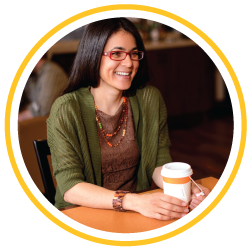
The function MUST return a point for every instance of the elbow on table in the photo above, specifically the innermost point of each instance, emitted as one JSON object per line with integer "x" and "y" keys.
{"x": 66, "y": 196}
{"x": 74, "y": 194}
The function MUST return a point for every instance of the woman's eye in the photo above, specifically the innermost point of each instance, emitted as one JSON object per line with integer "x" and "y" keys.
{"x": 116, "y": 53}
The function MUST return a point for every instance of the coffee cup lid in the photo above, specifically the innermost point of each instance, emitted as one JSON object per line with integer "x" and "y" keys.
{"x": 176, "y": 170}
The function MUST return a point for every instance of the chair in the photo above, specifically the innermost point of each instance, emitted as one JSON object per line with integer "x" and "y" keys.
{"x": 28, "y": 131}
{"x": 42, "y": 151}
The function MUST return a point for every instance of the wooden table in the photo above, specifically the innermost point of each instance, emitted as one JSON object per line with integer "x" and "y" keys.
{"x": 127, "y": 222}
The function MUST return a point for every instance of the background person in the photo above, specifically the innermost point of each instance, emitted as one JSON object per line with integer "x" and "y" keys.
{"x": 46, "y": 82}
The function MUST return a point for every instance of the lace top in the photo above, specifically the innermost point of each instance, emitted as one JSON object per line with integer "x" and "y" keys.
{"x": 119, "y": 164}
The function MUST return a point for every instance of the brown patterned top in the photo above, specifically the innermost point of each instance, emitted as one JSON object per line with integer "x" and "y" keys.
{"x": 119, "y": 164}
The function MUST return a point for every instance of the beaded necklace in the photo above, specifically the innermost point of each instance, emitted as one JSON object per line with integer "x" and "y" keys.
{"x": 123, "y": 118}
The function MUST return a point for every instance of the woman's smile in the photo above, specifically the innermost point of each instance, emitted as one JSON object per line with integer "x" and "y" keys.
{"x": 122, "y": 73}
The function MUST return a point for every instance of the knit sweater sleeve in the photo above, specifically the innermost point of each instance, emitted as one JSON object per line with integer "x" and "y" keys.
{"x": 152, "y": 134}
{"x": 63, "y": 141}
{"x": 158, "y": 141}
{"x": 163, "y": 155}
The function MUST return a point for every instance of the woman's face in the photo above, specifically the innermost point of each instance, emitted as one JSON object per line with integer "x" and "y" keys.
{"x": 118, "y": 74}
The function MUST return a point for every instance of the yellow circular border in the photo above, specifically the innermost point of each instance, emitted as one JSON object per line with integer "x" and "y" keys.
{"x": 147, "y": 9}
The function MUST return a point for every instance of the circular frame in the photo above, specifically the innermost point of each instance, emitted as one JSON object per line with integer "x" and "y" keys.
{"x": 227, "y": 184}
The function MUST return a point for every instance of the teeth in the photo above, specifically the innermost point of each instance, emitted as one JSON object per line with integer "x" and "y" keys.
{"x": 122, "y": 73}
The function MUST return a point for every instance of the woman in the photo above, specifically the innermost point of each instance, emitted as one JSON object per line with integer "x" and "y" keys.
{"x": 108, "y": 131}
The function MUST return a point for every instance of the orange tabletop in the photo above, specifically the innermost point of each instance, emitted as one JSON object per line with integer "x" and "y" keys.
{"x": 123, "y": 222}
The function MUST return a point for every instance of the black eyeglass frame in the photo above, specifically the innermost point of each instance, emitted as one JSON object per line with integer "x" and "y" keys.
{"x": 109, "y": 55}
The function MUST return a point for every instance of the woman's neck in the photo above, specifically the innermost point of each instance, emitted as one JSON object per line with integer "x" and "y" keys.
{"x": 107, "y": 101}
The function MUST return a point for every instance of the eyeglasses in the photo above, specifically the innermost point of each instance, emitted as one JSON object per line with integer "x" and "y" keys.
{"x": 121, "y": 55}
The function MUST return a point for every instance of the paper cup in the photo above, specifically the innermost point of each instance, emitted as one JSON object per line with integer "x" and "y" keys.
{"x": 176, "y": 181}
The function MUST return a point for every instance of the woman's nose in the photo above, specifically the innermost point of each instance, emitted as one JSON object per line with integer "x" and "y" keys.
{"x": 127, "y": 61}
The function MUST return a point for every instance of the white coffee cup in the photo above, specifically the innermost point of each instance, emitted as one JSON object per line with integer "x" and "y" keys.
{"x": 176, "y": 180}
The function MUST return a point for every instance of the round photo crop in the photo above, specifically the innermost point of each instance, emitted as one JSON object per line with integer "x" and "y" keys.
{"x": 94, "y": 12}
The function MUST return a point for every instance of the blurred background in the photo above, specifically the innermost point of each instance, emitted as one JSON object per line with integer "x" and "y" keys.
{"x": 200, "y": 116}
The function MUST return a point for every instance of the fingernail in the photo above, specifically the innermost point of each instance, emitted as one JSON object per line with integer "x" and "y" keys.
{"x": 183, "y": 215}
{"x": 186, "y": 210}
{"x": 184, "y": 203}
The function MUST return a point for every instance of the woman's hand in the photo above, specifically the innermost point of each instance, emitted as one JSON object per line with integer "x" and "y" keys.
{"x": 156, "y": 205}
{"x": 196, "y": 200}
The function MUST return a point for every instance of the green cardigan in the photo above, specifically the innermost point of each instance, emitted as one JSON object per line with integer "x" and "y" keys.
{"x": 73, "y": 139}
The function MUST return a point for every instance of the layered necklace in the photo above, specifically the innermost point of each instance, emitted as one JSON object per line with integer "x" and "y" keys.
{"x": 123, "y": 119}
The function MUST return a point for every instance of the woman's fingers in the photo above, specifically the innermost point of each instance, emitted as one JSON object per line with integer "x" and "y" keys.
{"x": 172, "y": 214}
{"x": 196, "y": 200}
{"x": 160, "y": 206}
{"x": 196, "y": 190}
{"x": 173, "y": 208}
{"x": 172, "y": 200}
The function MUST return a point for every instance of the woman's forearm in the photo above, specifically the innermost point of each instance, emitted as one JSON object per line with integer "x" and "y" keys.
{"x": 90, "y": 195}
{"x": 155, "y": 205}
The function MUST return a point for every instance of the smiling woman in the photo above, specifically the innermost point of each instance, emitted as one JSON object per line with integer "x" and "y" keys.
{"x": 108, "y": 132}
{"x": 118, "y": 70}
